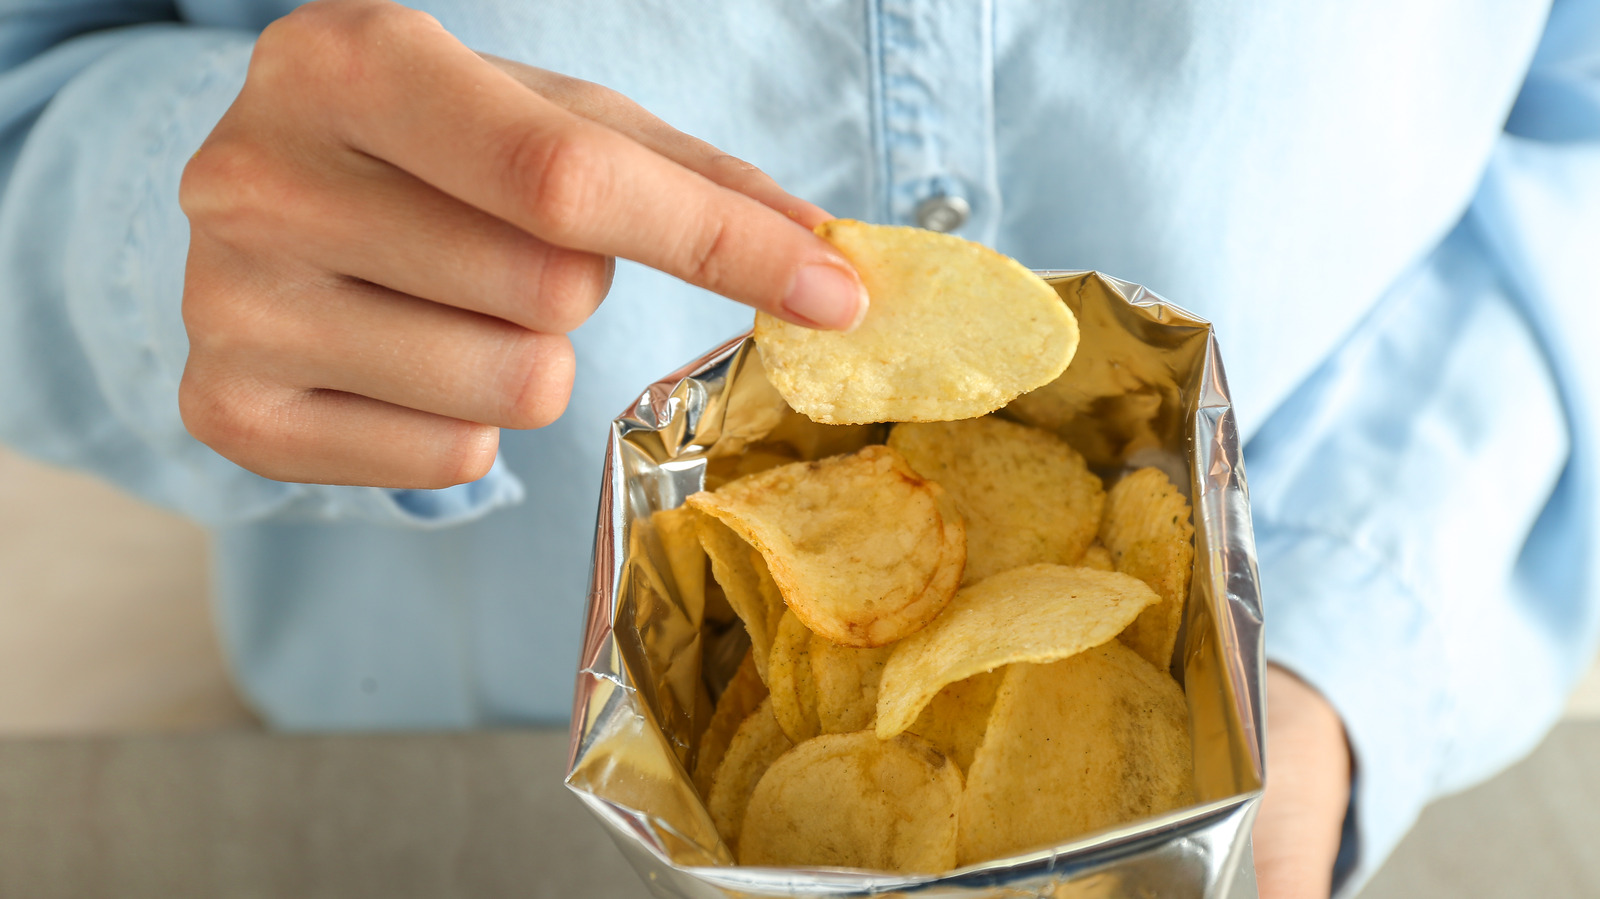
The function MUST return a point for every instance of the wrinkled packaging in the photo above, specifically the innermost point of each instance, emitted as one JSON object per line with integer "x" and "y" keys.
{"x": 1146, "y": 388}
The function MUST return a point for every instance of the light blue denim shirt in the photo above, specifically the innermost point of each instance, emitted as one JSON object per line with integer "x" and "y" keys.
{"x": 1399, "y": 278}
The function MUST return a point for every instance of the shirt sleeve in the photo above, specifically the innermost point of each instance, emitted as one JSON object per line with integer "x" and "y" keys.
{"x": 1426, "y": 503}
{"x": 101, "y": 105}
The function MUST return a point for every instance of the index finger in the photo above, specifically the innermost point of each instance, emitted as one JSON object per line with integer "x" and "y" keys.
{"x": 427, "y": 104}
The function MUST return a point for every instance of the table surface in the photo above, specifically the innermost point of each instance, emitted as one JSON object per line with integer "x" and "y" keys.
{"x": 248, "y": 814}
{"x": 258, "y": 815}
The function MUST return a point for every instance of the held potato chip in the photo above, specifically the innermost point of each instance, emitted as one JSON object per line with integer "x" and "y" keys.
{"x": 864, "y": 550}
{"x": 1026, "y": 496}
{"x": 1094, "y": 741}
{"x": 854, "y": 801}
{"x": 847, "y": 684}
{"x": 743, "y": 577}
{"x": 955, "y": 719}
{"x": 738, "y": 700}
{"x": 1035, "y": 614}
{"x": 794, "y": 692}
{"x": 1147, "y": 529}
{"x": 954, "y": 330}
{"x": 757, "y": 743}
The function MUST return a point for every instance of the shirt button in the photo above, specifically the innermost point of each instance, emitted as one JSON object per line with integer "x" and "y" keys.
{"x": 942, "y": 213}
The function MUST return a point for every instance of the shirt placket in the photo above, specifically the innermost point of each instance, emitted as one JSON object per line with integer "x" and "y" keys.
{"x": 934, "y": 74}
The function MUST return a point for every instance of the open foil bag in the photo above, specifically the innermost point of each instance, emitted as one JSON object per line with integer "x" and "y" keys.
{"x": 1146, "y": 388}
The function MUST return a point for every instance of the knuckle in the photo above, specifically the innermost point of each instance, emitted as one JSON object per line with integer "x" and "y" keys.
{"x": 702, "y": 252}
{"x": 332, "y": 40}
{"x": 560, "y": 179}
{"x": 539, "y": 373}
{"x": 234, "y": 189}
{"x": 732, "y": 168}
{"x": 226, "y": 417}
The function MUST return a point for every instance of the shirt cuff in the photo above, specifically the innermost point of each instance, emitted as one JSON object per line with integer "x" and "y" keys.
{"x": 1342, "y": 622}
{"x": 416, "y": 509}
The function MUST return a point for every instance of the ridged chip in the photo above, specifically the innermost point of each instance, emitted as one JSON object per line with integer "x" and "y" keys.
{"x": 794, "y": 691}
{"x": 757, "y": 743}
{"x": 854, "y": 801}
{"x": 738, "y": 700}
{"x": 1148, "y": 531}
{"x": 864, "y": 550}
{"x": 1103, "y": 734}
{"x": 1039, "y": 613}
{"x": 954, "y": 330}
{"x": 1026, "y": 496}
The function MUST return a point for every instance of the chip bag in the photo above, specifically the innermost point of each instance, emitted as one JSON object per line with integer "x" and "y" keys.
{"x": 668, "y": 674}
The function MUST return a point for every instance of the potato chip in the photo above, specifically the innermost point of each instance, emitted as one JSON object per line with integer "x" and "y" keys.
{"x": 954, "y": 330}
{"x": 757, "y": 743}
{"x": 1103, "y": 734}
{"x": 1147, "y": 529}
{"x": 1026, "y": 496}
{"x": 738, "y": 700}
{"x": 741, "y": 573}
{"x": 686, "y": 558}
{"x": 1098, "y": 558}
{"x": 955, "y": 719}
{"x": 1039, "y": 613}
{"x": 864, "y": 550}
{"x": 854, "y": 801}
{"x": 758, "y": 457}
{"x": 847, "y": 684}
{"x": 794, "y": 692}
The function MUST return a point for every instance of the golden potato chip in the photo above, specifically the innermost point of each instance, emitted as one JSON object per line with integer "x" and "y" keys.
{"x": 757, "y": 743}
{"x": 1103, "y": 734}
{"x": 680, "y": 538}
{"x": 854, "y": 801}
{"x": 758, "y": 457}
{"x": 955, "y": 719}
{"x": 738, "y": 700}
{"x": 1098, "y": 558}
{"x": 741, "y": 573}
{"x": 954, "y": 330}
{"x": 847, "y": 684}
{"x": 1026, "y": 496}
{"x": 794, "y": 692}
{"x": 811, "y": 441}
{"x": 864, "y": 550}
{"x": 1147, "y": 529}
{"x": 1039, "y": 613}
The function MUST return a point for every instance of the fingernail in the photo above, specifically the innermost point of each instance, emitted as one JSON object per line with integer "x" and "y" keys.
{"x": 826, "y": 296}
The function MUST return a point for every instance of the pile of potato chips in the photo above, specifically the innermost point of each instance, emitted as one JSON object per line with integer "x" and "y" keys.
{"x": 959, "y": 641}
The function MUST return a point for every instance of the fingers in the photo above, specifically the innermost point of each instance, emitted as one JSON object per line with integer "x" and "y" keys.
{"x": 299, "y": 376}
{"x": 617, "y": 112}
{"x": 1297, "y": 831}
{"x": 561, "y": 177}
{"x": 325, "y": 437}
{"x": 368, "y": 220}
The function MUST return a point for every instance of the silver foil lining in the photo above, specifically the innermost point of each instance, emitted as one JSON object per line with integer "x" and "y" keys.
{"x": 1147, "y": 388}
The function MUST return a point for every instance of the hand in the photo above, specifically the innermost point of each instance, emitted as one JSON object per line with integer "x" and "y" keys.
{"x": 391, "y": 235}
{"x": 1308, "y": 788}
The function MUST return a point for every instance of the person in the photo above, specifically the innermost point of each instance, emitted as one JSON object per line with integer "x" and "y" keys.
{"x": 386, "y": 384}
